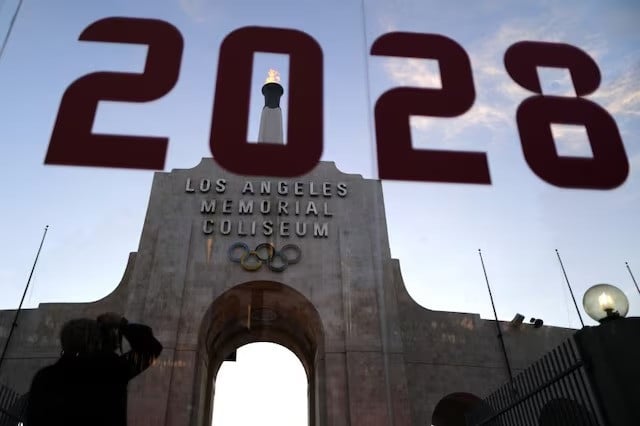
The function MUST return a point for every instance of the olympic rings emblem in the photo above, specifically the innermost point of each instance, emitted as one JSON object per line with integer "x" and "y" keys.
{"x": 264, "y": 253}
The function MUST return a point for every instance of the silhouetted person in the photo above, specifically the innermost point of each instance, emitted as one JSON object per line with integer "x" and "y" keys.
{"x": 88, "y": 384}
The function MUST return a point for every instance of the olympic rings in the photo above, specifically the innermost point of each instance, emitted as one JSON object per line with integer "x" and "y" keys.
{"x": 276, "y": 260}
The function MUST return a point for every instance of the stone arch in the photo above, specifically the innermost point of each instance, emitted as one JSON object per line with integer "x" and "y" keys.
{"x": 258, "y": 311}
{"x": 451, "y": 410}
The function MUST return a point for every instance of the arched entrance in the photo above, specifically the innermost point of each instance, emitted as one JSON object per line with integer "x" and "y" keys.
{"x": 451, "y": 409}
{"x": 258, "y": 311}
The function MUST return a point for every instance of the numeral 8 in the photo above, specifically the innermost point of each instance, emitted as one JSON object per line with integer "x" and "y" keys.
{"x": 609, "y": 167}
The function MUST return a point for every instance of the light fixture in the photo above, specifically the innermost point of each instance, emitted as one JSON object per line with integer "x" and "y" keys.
{"x": 604, "y": 302}
{"x": 517, "y": 320}
{"x": 537, "y": 322}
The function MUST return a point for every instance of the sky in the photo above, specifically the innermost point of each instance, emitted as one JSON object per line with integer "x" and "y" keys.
{"x": 435, "y": 229}
{"x": 277, "y": 395}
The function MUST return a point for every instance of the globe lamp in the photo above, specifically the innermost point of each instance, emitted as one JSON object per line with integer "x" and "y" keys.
{"x": 604, "y": 302}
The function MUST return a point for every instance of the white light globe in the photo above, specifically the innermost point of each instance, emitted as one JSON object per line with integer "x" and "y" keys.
{"x": 605, "y": 301}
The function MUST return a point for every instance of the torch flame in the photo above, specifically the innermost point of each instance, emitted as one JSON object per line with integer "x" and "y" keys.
{"x": 273, "y": 76}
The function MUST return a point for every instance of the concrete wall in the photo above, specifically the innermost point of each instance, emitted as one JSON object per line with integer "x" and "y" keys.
{"x": 447, "y": 352}
{"x": 380, "y": 358}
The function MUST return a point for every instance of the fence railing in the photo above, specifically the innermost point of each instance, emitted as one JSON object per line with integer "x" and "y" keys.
{"x": 554, "y": 391}
{"x": 12, "y": 407}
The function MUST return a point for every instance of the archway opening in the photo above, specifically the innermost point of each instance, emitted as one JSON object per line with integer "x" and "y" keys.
{"x": 452, "y": 409}
{"x": 251, "y": 312}
{"x": 266, "y": 384}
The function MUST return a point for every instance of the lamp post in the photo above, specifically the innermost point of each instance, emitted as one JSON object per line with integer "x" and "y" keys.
{"x": 610, "y": 354}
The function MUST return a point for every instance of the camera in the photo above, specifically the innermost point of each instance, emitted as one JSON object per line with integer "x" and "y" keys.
{"x": 110, "y": 330}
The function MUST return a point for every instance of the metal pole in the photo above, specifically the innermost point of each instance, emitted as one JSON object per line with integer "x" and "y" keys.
{"x": 500, "y": 336}
{"x": 15, "y": 318}
{"x": 632, "y": 277}
{"x": 11, "y": 24}
{"x": 570, "y": 289}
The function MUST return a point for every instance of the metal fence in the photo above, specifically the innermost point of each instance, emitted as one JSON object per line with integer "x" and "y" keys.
{"x": 554, "y": 391}
{"x": 12, "y": 407}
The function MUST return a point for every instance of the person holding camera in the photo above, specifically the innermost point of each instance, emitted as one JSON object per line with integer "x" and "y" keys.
{"x": 88, "y": 384}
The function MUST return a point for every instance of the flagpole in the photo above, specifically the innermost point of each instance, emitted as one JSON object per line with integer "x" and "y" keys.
{"x": 632, "y": 277}
{"x": 11, "y": 24}
{"x": 15, "y": 318}
{"x": 570, "y": 289}
{"x": 500, "y": 336}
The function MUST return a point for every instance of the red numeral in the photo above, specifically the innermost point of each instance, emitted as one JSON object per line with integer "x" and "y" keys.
{"x": 72, "y": 142}
{"x": 609, "y": 166}
{"x": 396, "y": 158}
{"x": 228, "y": 140}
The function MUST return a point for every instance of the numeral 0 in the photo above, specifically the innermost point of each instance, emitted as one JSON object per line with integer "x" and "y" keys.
{"x": 231, "y": 106}
{"x": 73, "y": 143}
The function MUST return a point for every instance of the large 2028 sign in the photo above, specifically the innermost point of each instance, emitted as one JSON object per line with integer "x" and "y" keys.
{"x": 73, "y": 143}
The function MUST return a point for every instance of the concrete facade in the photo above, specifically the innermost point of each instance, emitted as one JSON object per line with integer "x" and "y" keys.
{"x": 372, "y": 355}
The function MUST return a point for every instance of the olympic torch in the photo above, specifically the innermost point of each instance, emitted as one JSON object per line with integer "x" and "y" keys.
{"x": 271, "y": 117}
